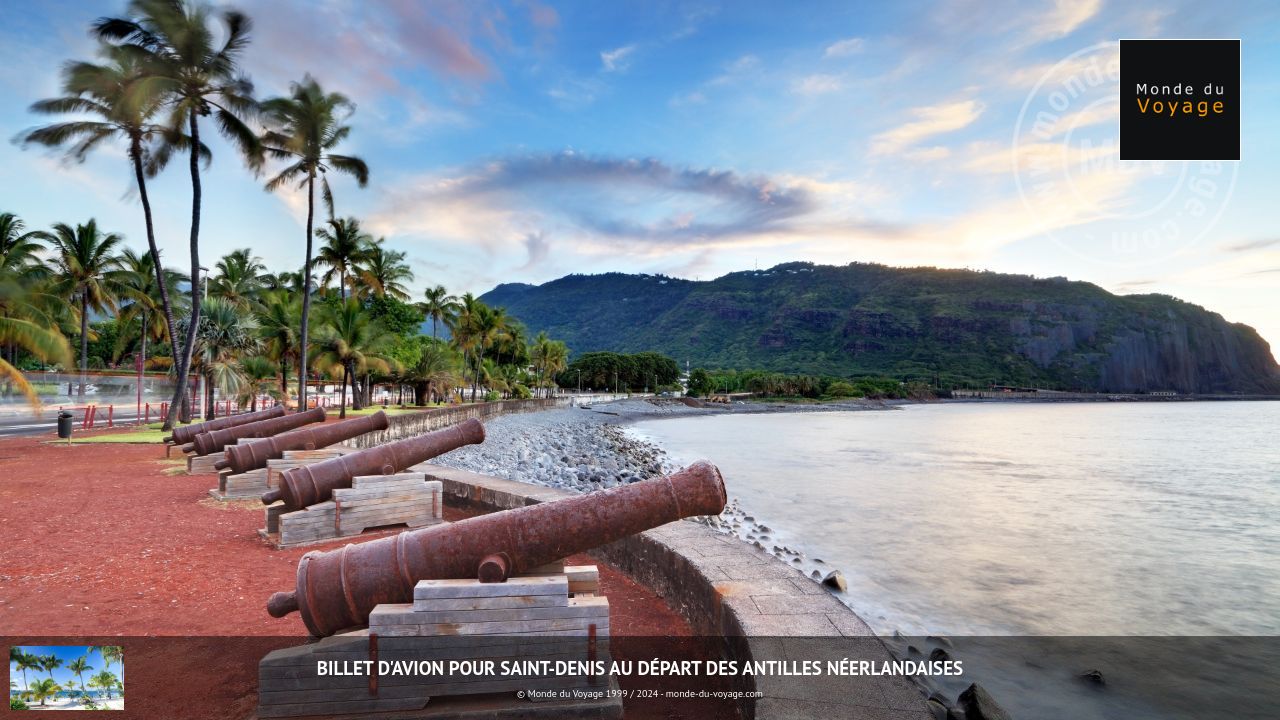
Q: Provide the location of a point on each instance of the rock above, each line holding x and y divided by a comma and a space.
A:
939, 640
978, 704
816, 575
1093, 677
955, 714
939, 655
835, 580
936, 709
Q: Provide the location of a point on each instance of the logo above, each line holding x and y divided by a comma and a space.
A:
1179, 99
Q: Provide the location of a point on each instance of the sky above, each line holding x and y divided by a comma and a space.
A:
64, 677
522, 141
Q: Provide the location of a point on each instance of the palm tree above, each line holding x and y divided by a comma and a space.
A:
28, 315
125, 103
20, 249
465, 331
139, 294
304, 129
111, 654
80, 666
354, 342
239, 277
549, 357
342, 253
198, 78
278, 317
88, 271
384, 272
24, 661
225, 333
259, 375
439, 306
435, 372
50, 663
44, 689
105, 680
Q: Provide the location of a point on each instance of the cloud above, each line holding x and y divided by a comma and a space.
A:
844, 48
818, 84
1064, 18
616, 60
538, 247
930, 120
1250, 245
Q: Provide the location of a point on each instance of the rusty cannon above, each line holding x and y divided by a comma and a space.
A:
253, 455
338, 589
184, 434
311, 484
211, 442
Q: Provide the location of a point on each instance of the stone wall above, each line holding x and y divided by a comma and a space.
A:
760, 606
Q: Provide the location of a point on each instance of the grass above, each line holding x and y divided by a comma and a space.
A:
149, 435
390, 410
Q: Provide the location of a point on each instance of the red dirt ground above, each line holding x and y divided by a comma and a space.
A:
99, 540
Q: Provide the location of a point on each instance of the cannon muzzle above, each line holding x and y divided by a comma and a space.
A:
253, 455
183, 434
215, 441
339, 588
314, 483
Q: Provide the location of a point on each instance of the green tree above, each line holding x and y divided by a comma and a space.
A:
225, 334
111, 654
383, 272
304, 129
352, 341
259, 374
105, 680
239, 278
700, 384
125, 103
141, 317
279, 316
198, 78
345, 248
43, 690
24, 661
49, 663
439, 306
80, 666
436, 371
87, 270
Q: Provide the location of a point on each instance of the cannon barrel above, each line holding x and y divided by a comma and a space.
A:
183, 434
215, 441
253, 455
314, 483
339, 588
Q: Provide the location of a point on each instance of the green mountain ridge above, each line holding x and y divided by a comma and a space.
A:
964, 327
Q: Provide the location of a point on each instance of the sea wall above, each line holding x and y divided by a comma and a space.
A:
428, 419
759, 606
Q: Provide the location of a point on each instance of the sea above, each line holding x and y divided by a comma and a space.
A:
1042, 540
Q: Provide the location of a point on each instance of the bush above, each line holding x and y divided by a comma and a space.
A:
520, 392
17, 704
492, 396
842, 389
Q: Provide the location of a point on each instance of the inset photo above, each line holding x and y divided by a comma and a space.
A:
66, 677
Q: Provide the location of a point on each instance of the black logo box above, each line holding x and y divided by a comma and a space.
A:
1185, 67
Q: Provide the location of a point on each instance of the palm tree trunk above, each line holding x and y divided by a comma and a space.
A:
306, 295
342, 411
209, 409
188, 346
342, 285
355, 389
135, 152
284, 377
84, 339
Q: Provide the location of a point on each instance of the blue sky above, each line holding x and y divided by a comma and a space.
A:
522, 141
62, 676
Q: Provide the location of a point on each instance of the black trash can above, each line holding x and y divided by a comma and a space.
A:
64, 425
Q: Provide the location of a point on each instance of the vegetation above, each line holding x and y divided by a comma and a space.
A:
944, 328
614, 371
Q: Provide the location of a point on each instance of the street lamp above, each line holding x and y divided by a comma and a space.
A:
579, 381
205, 270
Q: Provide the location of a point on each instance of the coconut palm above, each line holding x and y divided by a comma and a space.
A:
49, 663
111, 654
87, 270
435, 373
239, 278
24, 661
124, 103
384, 272
198, 77
20, 249
80, 666
304, 129
259, 374
350, 340
343, 251
29, 316
105, 680
43, 690
440, 306
279, 313
226, 332
139, 302
549, 357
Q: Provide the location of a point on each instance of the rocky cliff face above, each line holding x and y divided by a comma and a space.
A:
960, 327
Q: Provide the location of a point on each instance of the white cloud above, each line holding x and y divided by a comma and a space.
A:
816, 85
616, 60
844, 48
930, 120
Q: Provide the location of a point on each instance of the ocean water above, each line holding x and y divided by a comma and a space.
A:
1013, 520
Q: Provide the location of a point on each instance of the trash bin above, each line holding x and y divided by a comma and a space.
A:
64, 425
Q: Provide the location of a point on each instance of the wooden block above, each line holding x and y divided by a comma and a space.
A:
513, 627
490, 603
407, 614
582, 578
521, 585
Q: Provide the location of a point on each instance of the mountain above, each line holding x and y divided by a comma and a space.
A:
964, 327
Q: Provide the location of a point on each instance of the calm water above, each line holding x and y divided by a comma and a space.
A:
1021, 519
